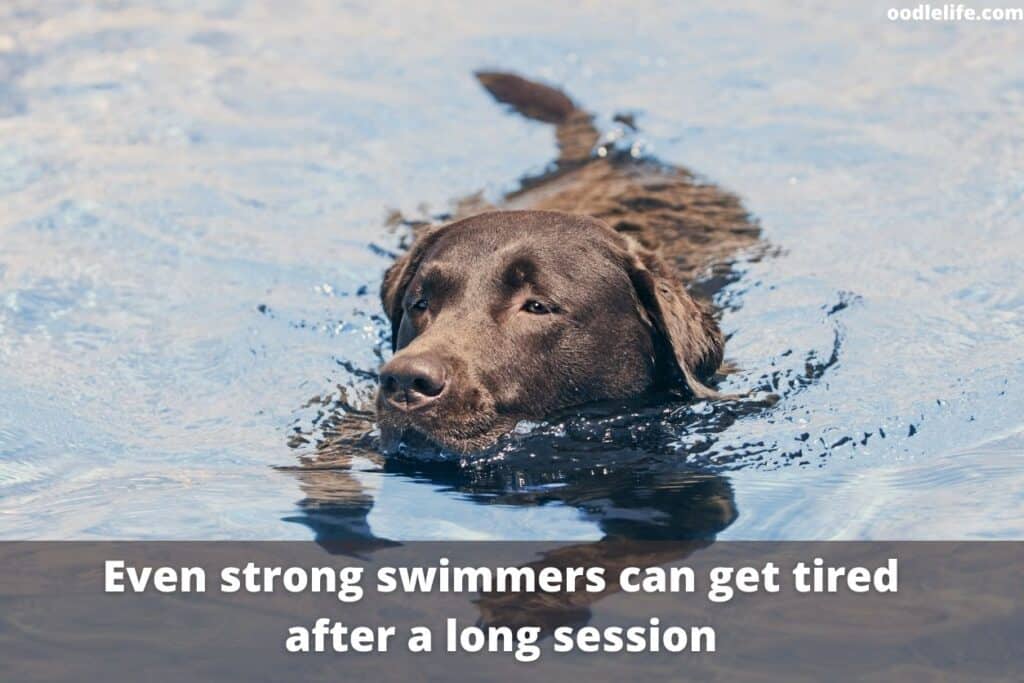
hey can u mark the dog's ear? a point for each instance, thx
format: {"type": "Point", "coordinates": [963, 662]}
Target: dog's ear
{"type": "Point", "coordinates": [688, 342]}
{"type": "Point", "coordinates": [398, 277]}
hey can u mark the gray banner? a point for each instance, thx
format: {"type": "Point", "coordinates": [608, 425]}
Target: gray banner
{"type": "Point", "coordinates": [955, 616]}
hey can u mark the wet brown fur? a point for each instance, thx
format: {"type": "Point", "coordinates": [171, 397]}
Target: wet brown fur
{"type": "Point", "coordinates": [695, 227]}
{"type": "Point", "coordinates": [671, 230]}
{"type": "Point", "coordinates": [665, 229]}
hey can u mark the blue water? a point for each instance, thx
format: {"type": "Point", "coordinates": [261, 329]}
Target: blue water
{"type": "Point", "coordinates": [193, 209]}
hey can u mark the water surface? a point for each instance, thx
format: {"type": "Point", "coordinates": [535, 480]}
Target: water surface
{"type": "Point", "coordinates": [193, 224]}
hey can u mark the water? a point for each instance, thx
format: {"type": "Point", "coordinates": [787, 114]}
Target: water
{"type": "Point", "coordinates": [193, 210]}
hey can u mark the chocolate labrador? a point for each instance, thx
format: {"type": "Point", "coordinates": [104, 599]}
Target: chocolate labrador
{"type": "Point", "coordinates": [574, 289]}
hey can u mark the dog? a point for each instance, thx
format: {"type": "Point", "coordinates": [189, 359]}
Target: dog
{"type": "Point", "coordinates": [591, 282]}
{"type": "Point", "coordinates": [573, 290]}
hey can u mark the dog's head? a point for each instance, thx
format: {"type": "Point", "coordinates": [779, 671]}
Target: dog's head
{"type": "Point", "coordinates": [514, 315]}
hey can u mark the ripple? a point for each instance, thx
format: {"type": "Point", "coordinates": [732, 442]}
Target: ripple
{"type": "Point", "coordinates": [195, 205]}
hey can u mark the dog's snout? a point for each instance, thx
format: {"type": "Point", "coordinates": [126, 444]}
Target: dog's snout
{"type": "Point", "coordinates": [412, 382]}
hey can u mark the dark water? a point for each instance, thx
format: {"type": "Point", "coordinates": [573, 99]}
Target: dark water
{"type": "Point", "coordinates": [193, 224]}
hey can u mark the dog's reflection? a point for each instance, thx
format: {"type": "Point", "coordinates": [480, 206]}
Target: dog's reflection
{"type": "Point", "coordinates": [651, 510]}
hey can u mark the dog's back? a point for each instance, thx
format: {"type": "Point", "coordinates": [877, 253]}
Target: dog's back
{"type": "Point", "coordinates": [696, 227]}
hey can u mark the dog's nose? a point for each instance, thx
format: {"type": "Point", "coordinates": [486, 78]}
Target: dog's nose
{"type": "Point", "coordinates": [412, 382]}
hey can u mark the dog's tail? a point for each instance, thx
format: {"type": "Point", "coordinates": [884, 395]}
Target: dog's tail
{"type": "Point", "coordinates": [574, 127]}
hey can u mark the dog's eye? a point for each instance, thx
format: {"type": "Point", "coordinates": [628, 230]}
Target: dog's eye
{"type": "Point", "coordinates": [536, 307]}
{"type": "Point", "coordinates": [419, 305]}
